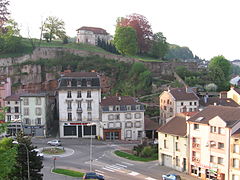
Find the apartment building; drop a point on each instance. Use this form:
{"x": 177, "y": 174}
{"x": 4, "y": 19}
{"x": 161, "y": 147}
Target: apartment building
{"x": 13, "y": 114}
{"x": 235, "y": 156}
{"x": 177, "y": 100}
{"x": 122, "y": 118}
{"x": 234, "y": 93}
{"x": 209, "y": 133}
{"x": 79, "y": 95}
{"x": 5, "y": 89}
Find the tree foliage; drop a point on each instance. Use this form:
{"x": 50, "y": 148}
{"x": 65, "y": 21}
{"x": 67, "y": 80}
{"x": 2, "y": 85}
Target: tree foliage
{"x": 125, "y": 40}
{"x": 35, "y": 162}
{"x": 53, "y": 27}
{"x": 159, "y": 46}
{"x": 4, "y": 13}
{"x": 108, "y": 46}
{"x": 7, "y": 158}
{"x": 177, "y": 52}
{"x": 142, "y": 27}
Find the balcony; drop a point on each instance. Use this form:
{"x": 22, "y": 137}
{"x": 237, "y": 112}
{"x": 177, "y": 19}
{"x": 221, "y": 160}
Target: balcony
{"x": 195, "y": 145}
{"x": 69, "y": 108}
{"x": 195, "y": 159}
{"x": 79, "y": 109}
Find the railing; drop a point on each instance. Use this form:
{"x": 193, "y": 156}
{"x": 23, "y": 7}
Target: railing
{"x": 195, "y": 159}
{"x": 196, "y": 145}
{"x": 79, "y": 109}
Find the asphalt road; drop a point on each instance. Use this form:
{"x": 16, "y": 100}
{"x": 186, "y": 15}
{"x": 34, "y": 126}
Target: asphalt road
{"x": 104, "y": 161}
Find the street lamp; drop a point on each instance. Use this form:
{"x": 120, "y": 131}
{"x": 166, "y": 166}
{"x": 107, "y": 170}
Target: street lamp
{"x": 15, "y": 142}
{"x": 91, "y": 124}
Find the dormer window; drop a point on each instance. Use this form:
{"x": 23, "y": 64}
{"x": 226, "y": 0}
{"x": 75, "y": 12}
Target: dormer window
{"x": 88, "y": 83}
{"x": 137, "y": 107}
{"x": 78, "y": 83}
{"x": 110, "y": 108}
{"x": 128, "y": 108}
{"x": 117, "y": 108}
{"x": 69, "y": 84}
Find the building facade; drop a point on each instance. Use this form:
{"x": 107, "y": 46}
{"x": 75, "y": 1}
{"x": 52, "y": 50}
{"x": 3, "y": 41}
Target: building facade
{"x": 209, "y": 134}
{"x": 79, "y": 95}
{"x": 35, "y": 114}
{"x": 177, "y": 100}
{"x": 13, "y": 114}
{"x": 234, "y": 93}
{"x": 235, "y": 156}
{"x": 122, "y": 118}
{"x": 90, "y": 35}
{"x": 5, "y": 89}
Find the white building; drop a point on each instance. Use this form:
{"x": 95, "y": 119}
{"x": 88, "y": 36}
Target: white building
{"x": 122, "y": 118}
{"x": 90, "y": 35}
{"x": 79, "y": 95}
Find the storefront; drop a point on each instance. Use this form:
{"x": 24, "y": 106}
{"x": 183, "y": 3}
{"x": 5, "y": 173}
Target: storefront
{"x": 112, "y": 134}
{"x": 13, "y": 128}
{"x": 79, "y": 130}
{"x": 34, "y": 130}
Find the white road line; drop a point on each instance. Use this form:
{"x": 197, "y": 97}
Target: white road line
{"x": 127, "y": 163}
{"x": 121, "y": 165}
{"x": 99, "y": 171}
{"x": 108, "y": 169}
{"x": 133, "y": 173}
{"x": 149, "y": 178}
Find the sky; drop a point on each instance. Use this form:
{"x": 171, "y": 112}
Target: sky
{"x": 208, "y": 27}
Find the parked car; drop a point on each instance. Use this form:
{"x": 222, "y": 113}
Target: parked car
{"x": 93, "y": 176}
{"x": 39, "y": 154}
{"x": 54, "y": 142}
{"x": 171, "y": 177}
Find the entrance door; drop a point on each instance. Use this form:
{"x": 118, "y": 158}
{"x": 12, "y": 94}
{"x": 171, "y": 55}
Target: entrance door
{"x": 184, "y": 164}
{"x": 79, "y": 131}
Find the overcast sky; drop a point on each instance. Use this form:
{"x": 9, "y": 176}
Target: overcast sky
{"x": 208, "y": 27}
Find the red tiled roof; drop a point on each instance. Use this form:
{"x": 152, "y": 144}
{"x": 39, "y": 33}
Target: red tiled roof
{"x": 176, "y": 126}
{"x": 15, "y": 97}
{"x": 182, "y": 94}
{"x": 118, "y": 100}
{"x": 80, "y": 74}
{"x": 230, "y": 115}
{"x": 218, "y": 101}
{"x": 237, "y": 90}
{"x": 149, "y": 124}
{"x": 188, "y": 113}
{"x": 95, "y": 30}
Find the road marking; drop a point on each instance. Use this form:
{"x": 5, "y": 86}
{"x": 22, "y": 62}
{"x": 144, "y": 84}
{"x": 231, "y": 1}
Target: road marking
{"x": 133, "y": 173}
{"x": 107, "y": 169}
{"x": 99, "y": 172}
{"x": 149, "y": 178}
{"x": 121, "y": 165}
{"x": 127, "y": 163}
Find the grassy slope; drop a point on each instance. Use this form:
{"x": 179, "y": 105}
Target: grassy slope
{"x": 68, "y": 172}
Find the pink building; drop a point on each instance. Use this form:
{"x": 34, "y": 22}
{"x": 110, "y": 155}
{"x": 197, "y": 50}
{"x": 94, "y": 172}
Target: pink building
{"x": 209, "y": 134}
{"x": 5, "y": 89}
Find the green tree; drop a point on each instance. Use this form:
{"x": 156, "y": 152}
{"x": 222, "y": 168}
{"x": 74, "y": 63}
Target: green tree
{"x": 220, "y": 69}
{"x": 125, "y": 40}
{"x": 177, "y": 52}
{"x": 159, "y": 46}
{"x": 8, "y": 158}
{"x": 35, "y": 162}
{"x": 4, "y": 13}
{"x": 54, "y": 27}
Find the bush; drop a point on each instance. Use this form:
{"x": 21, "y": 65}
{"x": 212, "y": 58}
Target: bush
{"x": 146, "y": 152}
{"x": 138, "y": 149}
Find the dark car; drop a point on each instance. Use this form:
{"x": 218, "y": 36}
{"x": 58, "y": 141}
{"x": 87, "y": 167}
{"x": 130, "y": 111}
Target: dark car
{"x": 93, "y": 176}
{"x": 171, "y": 177}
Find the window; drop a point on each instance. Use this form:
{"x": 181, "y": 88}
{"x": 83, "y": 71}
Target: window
{"x": 38, "y": 101}
{"x": 212, "y": 159}
{"x": 9, "y": 118}
{"x": 110, "y": 117}
{"x": 16, "y": 109}
{"x": 235, "y": 177}
{"x": 79, "y": 104}
{"x": 27, "y": 121}
{"x": 139, "y": 134}
{"x": 128, "y": 133}
{"x": 79, "y": 116}
{"x": 181, "y": 103}
{"x": 190, "y": 109}
{"x": 165, "y": 135}
{"x": 177, "y": 137}
{"x": 16, "y": 102}
{"x": 190, "y": 103}
{"x": 118, "y": 125}
{"x": 213, "y": 129}
{"x": 165, "y": 108}
{"x": 171, "y": 109}
{"x": 26, "y": 111}
{"x": 168, "y": 101}
{"x": 111, "y": 125}
{"x": 88, "y": 83}
{"x": 117, "y": 108}
{"x": 69, "y": 105}
{"x": 68, "y": 83}
{"x": 128, "y": 124}
{"x": 69, "y": 116}
{"x": 8, "y": 102}
{"x": 16, "y": 116}
{"x": 195, "y": 103}
{"x": 38, "y": 121}
{"x": 220, "y": 145}
{"x": 89, "y": 105}
{"x": 78, "y": 83}
{"x": 196, "y": 126}
{"x": 25, "y": 101}
{"x": 165, "y": 144}
{"x": 128, "y": 108}
{"x": 177, "y": 161}
{"x": 236, "y": 148}
{"x": 137, "y": 124}
{"x": 137, "y": 115}
{"x": 221, "y": 130}
{"x": 128, "y": 116}
{"x": 88, "y": 94}
{"x": 79, "y": 94}
{"x": 89, "y": 117}
{"x": 117, "y": 116}
{"x": 138, "y": 107}
{"x": 110, "y": 108}
{"x": 69, "y": 94}
{"x": 8, "y": 109}
{"x": 220, "y": 160}
{"x": 176, "y": 145}
{"x": 235, "y": 163}
{"x": 38, "y": 111}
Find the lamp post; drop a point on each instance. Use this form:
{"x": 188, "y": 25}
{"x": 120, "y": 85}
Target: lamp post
{"x": 91, "y": 124}
{"x": 15, "y": 142}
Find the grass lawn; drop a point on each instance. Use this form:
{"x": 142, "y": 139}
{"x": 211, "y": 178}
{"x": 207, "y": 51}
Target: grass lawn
{"x": 133, "y": 157}
{"x": 68, "y": 172}
{"x": 53, "y": 151}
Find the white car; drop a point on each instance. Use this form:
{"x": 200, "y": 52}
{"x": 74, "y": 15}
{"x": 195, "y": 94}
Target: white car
{"x": 39, "y": 154}
{"x": 54, "y": 142}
